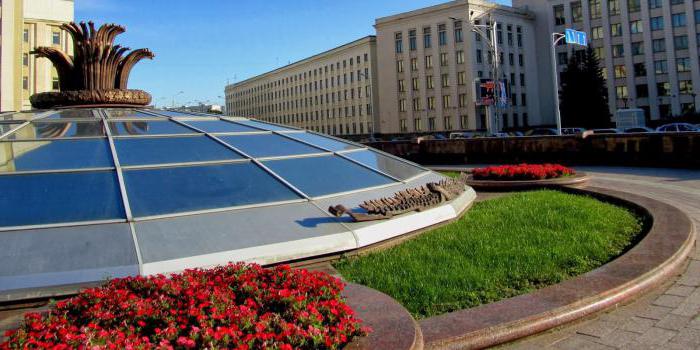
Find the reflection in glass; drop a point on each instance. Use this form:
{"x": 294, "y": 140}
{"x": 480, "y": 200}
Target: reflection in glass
{"x": 148, "y": 128}
{"x": 55, "y": 130}
{"x": 264, "y": 126}
{"x": 385, "y": 164}
{"x": 20, "y": 116}
{"x": 318, "y": 176}
{"x": 268, "y": 145}
{"x": 159, "y": 150}
{"x": 53, "y": 155}
{"x": 175, "y": 113}
{"x": 181, "y": 189}
{"x": 325, "y": 142}
{"x": 56, "y": 198}
{"x": 218, "y": 126}
{"x": 128, "y": 113}
{"x": 73, "y": 114}
{"x": 6, "y": 127}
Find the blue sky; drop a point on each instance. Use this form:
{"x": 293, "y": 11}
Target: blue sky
{"x": 198, "y": 43}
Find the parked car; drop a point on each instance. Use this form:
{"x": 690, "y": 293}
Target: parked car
{"x": 606, "y": 131}
{"x": 639, "y": 129}
{"x": 516, "y": 133}
{"x": 677, "y": 127}
{"x": 541, "y": 132}
{"x": 572, "y": 131}
{"x": 440, "y": 137}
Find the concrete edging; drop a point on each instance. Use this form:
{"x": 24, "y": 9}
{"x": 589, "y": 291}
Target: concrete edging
{"x": 579, "y": 180}
{"x": 658, "y": 256}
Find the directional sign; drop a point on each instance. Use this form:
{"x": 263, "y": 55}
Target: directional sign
{"x": 570, "y": 36}
{"x": 581, "y": 38}
{"x": 576, "y": 37}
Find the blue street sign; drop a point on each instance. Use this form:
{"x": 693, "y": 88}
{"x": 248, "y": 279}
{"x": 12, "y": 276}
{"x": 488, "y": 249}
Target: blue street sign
{"x": 581, "y": 38}
{"x": 570, "y": 36}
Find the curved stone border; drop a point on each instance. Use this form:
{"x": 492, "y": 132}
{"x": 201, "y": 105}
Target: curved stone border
{"x": 579, "y": 180}
{"x": 658, "y": 256}
{"x": 392, "y": 325}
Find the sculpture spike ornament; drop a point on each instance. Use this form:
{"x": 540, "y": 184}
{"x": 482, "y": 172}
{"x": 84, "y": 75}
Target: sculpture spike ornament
{"x": 98, "y": 72}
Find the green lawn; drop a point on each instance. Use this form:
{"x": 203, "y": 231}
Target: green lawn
{"x": 500, "y": 248}
{"x": 454, "y": 174}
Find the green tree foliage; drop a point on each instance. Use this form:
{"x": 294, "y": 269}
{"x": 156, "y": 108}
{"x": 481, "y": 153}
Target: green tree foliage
{"x": 584, "y": 95}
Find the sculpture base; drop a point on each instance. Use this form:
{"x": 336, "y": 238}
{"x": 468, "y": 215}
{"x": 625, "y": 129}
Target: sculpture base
{"x": 55, "y": 99}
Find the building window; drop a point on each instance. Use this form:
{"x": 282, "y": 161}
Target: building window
{"x": 445, "y": 101}
{"x": 445, "y": 80}
{"x": 431, "y": 124}
{"x": 658, "y": 45}
{"x": 25, "y": 59}
{"x": 642, "y": 91}
{"x": 663, "y": 89}
{"x": 511, "y": 59}
{"x": 443, "y": 59}
{"x": 638, "y": 48}
{"x": 510, "y": 38}
{"x": 25, "y": 83}
{"x": 634, "y": 5}
{"x": 621, "y": 92}
{"x": 521, "y": 60}
{"x": 25, "y": 35}
{"x": 680, "y": 42}
{"x": 414, "y": 84}
{"x": 429, "y": 61}
{"x": 616, "y": 29}
{"x": 461, "y": 78}
{"x": 447, "y": 120}
{"x": 416, "y": 104}
{"x": 640, "y": 69}
{"x": 398, "y": 42}
{"x": 412, "y": 40}
{"x": 678, "y": 20}
{"x": 522, "y": 79}
{"x": 576, "y": 11}
{"x": 399, "y": 66}
{"x": 520, "y": 39}
{"x": 683, "y": 64}
{"x": 656, "y": 23}
{"x": 595, "y": 8}
{"x": 414, "y": 64}
{"x": 429, "y": 82}
{"x": 636, "y": 27}
{"x": 618, "y": 50}
{"x": 458, "y": 32}
{"x": 464, "y": 122}
{"x": 614, "y": 7}
{"x": 431, "y": 102}
{"x": 479, "y": 58}
{"x": 54, "y": 84}
{"x": 442, "y": 34}
{"x": 660, "y": 67}
{"x": 402, "y": 105}
{"x": 459, "y": 57}
{"x": 676, "y": 2}
{"x": 697, "y": 16}
{"x": 685, "y": 87}
{"x": 523, "y": 101}
{"x": 597, "y": 33}
{"x": 655, "y": 4}
{"x": 401, "y": 86}
{"x": 620, "y": 71}
{"x": 427, "y": 37}
{"x": 402, "y": 125}
{"x": 417, "y": 125}
{"x": 559, "y": 17}
{"x": 462, "y": 102}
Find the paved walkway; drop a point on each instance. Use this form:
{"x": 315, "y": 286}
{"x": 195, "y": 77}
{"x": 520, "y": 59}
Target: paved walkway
{"x": 669, "y": 317}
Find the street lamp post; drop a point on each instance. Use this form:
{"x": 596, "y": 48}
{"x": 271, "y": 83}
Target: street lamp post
{"x": 174, "y": 95}
{"x": 481, "y": 29}
{"x": 556, "y": 38}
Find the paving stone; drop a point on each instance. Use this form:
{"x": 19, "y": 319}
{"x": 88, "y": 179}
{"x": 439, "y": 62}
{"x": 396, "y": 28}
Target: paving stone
{"x": 691, "y": 277}
{"x": 655, "y": 312}
{"x": 618, "y": 338}
{"x": 688, "y": 337}
{"x": 598, "y": 328}
{"x": 673, "y": 322}
{"x": 656, "y": 336}
{"x": 695, "y": 323}
{"x": 638, "y": 325}
{"x": 680, "y": 290}
{"x": 687, "y": 309}
{"x": 668, "y": 300}
{"x": 581, "y": 342}
{"x": 694, "y": 297}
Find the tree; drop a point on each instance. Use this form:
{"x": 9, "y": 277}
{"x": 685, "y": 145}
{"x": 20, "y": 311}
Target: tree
{"x": 584, "y": 95}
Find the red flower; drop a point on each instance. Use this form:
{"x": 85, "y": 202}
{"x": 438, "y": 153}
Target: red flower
{"x": 521, "y": 172}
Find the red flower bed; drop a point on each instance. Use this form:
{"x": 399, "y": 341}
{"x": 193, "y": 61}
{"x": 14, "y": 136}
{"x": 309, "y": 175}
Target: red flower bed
{"x": 522, "y": 172}
{"x": 238, "y": 306}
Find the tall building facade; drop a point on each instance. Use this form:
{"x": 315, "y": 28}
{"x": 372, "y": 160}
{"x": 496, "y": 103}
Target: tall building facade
{"x": 429, "y": 59}
{"x": 27, "y": 24}
{"x": 334, "y": 92}
{"x": 648, "y": 48}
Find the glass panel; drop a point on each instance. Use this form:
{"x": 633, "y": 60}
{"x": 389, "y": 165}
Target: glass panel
{"x": 56, "y": 130}
{"x": 54, "y": 198}
{"x": 6, "y": 127}
{"x": 18, "y": 116}
{"x": 219, "y": 126}
{"x": 325, "y": 142}
{"x": 268, "y": 145}
{"x": 385, "y": 164}
{"x": 264, "y": 126}
{"x": 317, "y": 176}
{"x": 148, "y": 128}
{"x": 147, "y": 150}
{"x": 180, "y": 189}
{"x": 129, "y": 113}
{"x": 174, "y": 113}
{"x": 73, "y": 114}
{"x": 51, "y": 155}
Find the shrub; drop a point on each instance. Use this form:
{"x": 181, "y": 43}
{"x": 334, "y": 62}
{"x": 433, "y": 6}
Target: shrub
{"x": 522, "y": 172}
{"x": 242, "y": 306}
